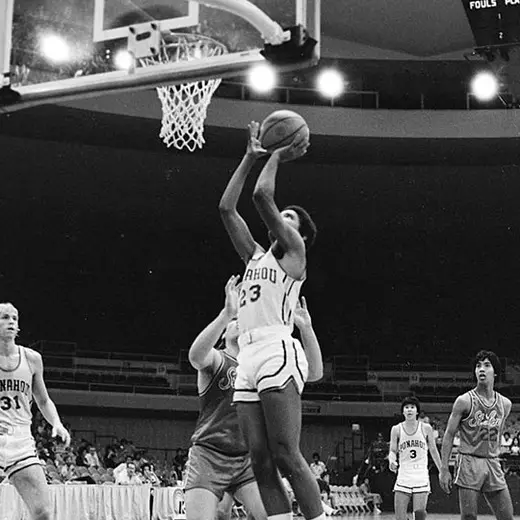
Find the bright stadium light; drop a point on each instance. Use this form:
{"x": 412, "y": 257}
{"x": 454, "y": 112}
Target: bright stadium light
{"x": 484, "y": 86}
{"x": 123, "y": 60}
{"x": 55, "y": 48}
{"x": 330, "y": 83}
{"x": 262, "y": 78}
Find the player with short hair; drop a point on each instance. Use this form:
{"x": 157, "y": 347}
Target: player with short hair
{"x": 480, "y": 417}
{"x": 410, "y": 441}
{"x": 219, "y": 462}
{"x": 21, "y": 380}
{"x": 272, "y": 367}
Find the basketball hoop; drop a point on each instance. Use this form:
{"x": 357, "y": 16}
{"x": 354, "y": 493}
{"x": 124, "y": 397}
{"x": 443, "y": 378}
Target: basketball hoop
{"x": 185, "y": 106}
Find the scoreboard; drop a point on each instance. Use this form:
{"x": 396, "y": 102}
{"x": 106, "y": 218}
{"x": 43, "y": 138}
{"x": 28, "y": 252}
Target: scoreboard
{"x": 494, "y": 22}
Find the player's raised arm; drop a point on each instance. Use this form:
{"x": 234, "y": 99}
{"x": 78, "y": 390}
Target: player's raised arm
{"x": 461, "y": 408}
{"x": 235, "y": 225}
{"x": 202, "y": 354}
{"x": 263, "y": 196}
{"x": 42, "y": 399}
{"x": 310, "y": 343}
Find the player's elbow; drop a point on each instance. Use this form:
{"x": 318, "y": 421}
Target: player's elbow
{"x": 315, "y": 374}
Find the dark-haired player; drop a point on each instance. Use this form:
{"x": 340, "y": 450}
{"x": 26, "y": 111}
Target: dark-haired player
{"x": 479, "y": 415}
{"x": 410, "y": 442}
{"x": 219, "y": 466}
{"x": 272, "y": 366}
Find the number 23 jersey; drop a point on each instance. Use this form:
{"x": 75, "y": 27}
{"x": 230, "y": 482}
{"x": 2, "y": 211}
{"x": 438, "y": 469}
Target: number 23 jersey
{"x": 267, "y": 295}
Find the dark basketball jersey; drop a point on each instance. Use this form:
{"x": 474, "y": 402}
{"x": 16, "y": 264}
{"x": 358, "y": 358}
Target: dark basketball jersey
{"x": 217, "y": 425}
{"x": 480, "y": 432}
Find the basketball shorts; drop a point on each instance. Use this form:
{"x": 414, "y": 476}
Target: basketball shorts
{"x": 412, "y": 482}
{"x": 17, "y": 448}
{"x": 479, "y": 473}
{"x": 216, "y": 472}
{"x": 268, "y": 360}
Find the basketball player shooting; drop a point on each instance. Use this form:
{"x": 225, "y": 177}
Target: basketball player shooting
{"x": 272, "y": 366}
{"x": 480, "y": 416}
{"x": 21, "y": 379}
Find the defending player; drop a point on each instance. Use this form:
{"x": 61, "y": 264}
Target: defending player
{"x": 21, "y": 379}
{"x": 410, "y": 441}
{"x": 480, "y": 416}
{"x": 218, "y": 460}
{"x": 272, "y": 367}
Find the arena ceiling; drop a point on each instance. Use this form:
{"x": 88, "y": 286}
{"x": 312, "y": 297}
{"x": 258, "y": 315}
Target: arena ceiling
{"x": 419, "y": 28}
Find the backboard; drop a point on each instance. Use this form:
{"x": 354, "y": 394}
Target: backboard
{"x": 54, "y": 50}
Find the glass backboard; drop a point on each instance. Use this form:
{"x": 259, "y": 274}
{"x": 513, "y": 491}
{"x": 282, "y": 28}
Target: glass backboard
{"x": 63, "y": 49}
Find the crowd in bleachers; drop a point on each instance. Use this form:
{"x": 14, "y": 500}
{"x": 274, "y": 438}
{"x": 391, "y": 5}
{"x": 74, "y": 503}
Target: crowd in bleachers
{"x": 119, "y": 462}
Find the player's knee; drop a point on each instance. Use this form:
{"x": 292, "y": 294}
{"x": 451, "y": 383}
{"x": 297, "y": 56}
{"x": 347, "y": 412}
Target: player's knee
{"x": 288, "y": 459}
{"x": 263, "y": 465}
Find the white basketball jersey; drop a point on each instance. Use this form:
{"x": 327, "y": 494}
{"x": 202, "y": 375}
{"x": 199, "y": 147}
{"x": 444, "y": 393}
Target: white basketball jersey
{"x": 16, "y": 393}
{"x": 268, "y": 295}
{"x": 413, "y": 456}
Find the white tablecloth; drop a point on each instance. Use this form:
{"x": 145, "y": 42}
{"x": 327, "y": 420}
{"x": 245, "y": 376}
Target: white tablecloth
{"x": 168, "y": 504}
{"x": 84, "y": 502}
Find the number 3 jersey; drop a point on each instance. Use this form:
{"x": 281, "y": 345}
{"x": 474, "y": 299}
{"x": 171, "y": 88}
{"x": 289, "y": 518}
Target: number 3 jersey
{"x": 268, "y": 295}
{"x": 16, "y": 392}
{"x": 413, "y": 457}
{"x": 480, "y": 432}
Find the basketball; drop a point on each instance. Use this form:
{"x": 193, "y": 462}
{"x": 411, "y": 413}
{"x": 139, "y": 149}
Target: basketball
{"x": 281, "y": 128}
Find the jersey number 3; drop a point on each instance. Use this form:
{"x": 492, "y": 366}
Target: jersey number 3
{"x": 253, "y": 293}
{"x": 7, "y": 403}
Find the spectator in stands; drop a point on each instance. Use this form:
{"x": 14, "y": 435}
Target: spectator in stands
{"x": 180, "y": 459}
{"x": 149, "y": 476}
{"x": 317, "y": 466}
{"x": 506, "y": 442}
{"x": 128, "y": 477}
{"x": 373, "y": 500}
{"x": 378, "y": 453}
{"x": 91, "y": 457}
{"x": 109, "y": 459}
{"x": 515, "y": 447}
{"x": 68, "y": 470}
{"x": 80, "y": 459}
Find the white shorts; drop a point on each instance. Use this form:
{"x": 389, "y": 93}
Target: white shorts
{"x": 269, "y": 359}
{"x": 411, "y": 484}
{"x": 17, "y": 448}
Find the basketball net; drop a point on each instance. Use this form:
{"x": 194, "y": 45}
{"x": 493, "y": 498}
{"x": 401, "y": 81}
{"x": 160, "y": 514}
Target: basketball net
{"x": 185, "y": 106}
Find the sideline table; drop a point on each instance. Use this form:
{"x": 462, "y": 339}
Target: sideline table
{"x": 84, "y": 502}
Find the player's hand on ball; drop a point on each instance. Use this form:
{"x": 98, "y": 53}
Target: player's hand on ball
{"x": 302, "y": 317}
{"x": 445, "y": 480}
{"x": 254, "y": 147}
{"x": 298, "y": 148}
{"x": 60, "y": 431}
{"x": 231, "y": 290}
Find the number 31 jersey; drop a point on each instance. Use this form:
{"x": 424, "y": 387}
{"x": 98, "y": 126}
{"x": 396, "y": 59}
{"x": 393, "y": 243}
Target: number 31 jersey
{"x": 480, "y": 432}
{"x": 267, "y": 295}
{"x": 16, "y": 392}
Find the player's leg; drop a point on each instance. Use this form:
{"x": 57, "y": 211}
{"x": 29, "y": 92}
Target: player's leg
{"x": 401, "y": 501}
{"x": 32, "y": 486}
{"x": 225, "y": 507}
{"x": 272, "y": 490}
{"x": 500, "y": 503}
{"x": 420, "y": 501}
{"x": 468, "y": 502}
{"x": 283, "y": 417}
{"x": 200, "y": 504}
{"x": 249, "y": 496}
